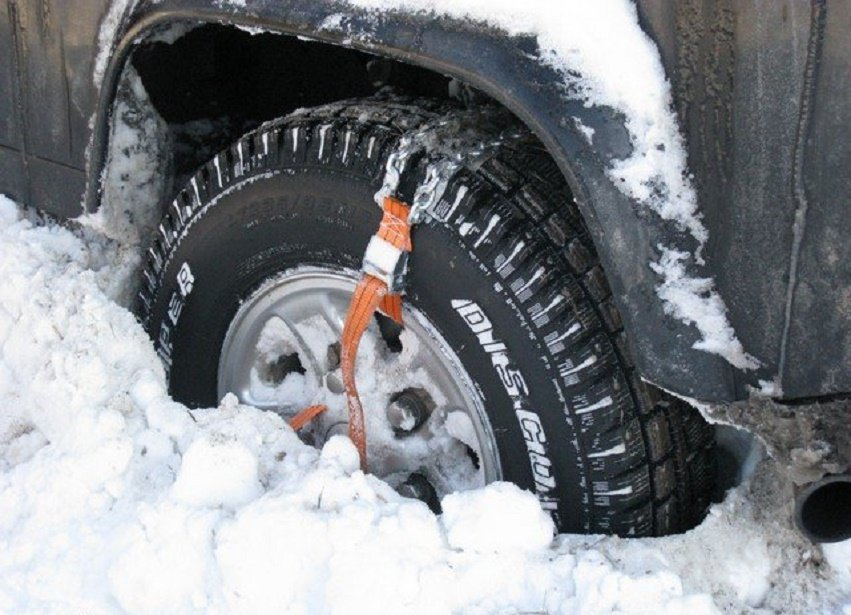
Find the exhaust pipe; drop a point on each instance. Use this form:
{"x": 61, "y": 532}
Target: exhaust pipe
{"x": 823, "y": 509}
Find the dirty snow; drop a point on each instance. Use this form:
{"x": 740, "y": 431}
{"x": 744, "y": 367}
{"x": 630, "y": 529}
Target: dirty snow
{"x": 136, "y": 169}
{"x": 607, "y": 60}
{"x": 114, "y": 498}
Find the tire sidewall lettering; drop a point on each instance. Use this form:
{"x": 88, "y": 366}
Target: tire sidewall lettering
{"x": 185, "y": 281}
{"x": 516, "y": 388}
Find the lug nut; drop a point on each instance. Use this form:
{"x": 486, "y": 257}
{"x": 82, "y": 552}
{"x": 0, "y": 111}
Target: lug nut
{"x": 332, "y": 355}
{"x": 408, "y": 410}
{"x": 417, "y": 487}
{"x": 334, "y": 384}
{"x": 340, "y": 428}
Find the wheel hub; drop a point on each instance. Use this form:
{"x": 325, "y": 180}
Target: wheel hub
{"x": 425, "y": 421}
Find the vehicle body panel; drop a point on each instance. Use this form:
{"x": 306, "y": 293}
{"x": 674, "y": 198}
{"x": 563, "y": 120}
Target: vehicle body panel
{"x": 762, "y": 91}
{"x": 47, "y": 49}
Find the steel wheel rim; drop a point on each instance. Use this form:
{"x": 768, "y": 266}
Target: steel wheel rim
{"x": 293, "y": 306}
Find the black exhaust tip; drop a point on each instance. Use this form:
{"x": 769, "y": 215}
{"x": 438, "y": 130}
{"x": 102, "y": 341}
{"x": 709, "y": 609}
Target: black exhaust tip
{"x": 823, "y": 509}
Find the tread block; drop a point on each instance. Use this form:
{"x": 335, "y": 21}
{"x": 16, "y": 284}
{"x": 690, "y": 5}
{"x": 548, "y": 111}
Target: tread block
{"x": 658, "y": 437}
{"x": 500, "y": 174}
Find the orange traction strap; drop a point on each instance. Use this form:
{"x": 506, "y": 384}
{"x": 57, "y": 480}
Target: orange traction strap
{"x": 305, "y": 416}
{"x": 372, "y": 293}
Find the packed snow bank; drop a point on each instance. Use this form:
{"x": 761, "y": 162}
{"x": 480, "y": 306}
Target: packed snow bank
{"x": 606, "y": 60}
{"x": 114, "y": 498}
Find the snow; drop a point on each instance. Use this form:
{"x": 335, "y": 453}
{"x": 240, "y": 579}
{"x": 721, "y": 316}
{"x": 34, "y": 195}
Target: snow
{"x": 586, "y": 131}
{"x": 217, "y": 472}
{"x": 107, "y": 33}
{"x": 135, "y": 175}
{"x": 694, "y": 301}
{"x": 496, "y": 520}
{"x": 114, "y": 498}
{"x": 838, "y": 555}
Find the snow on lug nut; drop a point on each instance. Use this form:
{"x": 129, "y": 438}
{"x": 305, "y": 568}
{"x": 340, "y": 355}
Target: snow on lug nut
{"x": 408, "y": 410}
{"x": 332, "y": 355}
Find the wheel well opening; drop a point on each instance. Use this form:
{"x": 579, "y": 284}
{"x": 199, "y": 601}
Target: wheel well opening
{"x": 211, "y": 83}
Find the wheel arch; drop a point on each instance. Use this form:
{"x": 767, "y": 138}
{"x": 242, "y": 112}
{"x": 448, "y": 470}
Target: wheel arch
{"x": 505, "y": 69}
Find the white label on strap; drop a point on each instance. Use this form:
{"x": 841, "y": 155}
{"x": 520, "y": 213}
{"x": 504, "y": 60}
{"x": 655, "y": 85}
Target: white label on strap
{"x": 381, "y": 260}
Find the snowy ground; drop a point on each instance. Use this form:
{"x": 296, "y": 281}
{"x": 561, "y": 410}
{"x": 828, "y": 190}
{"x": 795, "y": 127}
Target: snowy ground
{"x": 115, "y": 498}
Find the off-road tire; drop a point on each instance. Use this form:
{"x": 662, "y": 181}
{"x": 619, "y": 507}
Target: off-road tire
{"x": 604, "y": 452}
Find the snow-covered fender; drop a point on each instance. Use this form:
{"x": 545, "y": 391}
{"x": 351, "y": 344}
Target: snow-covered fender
{"x": 507, "y": 68}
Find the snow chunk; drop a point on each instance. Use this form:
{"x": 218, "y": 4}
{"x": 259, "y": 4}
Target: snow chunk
{"x": 339, "y": 452}
{"x": 586, "y": 131}
{"x": 603, "y": 589}
{"x": 217, "y": 472}
{"x": 838, "y": 555}
{"x": 498, "y": 518}
{"x": 694, "y": 301}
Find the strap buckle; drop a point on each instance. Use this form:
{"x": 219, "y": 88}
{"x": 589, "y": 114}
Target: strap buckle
{"x": 386, "y": 256}
{"x": 386, "y": 262}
